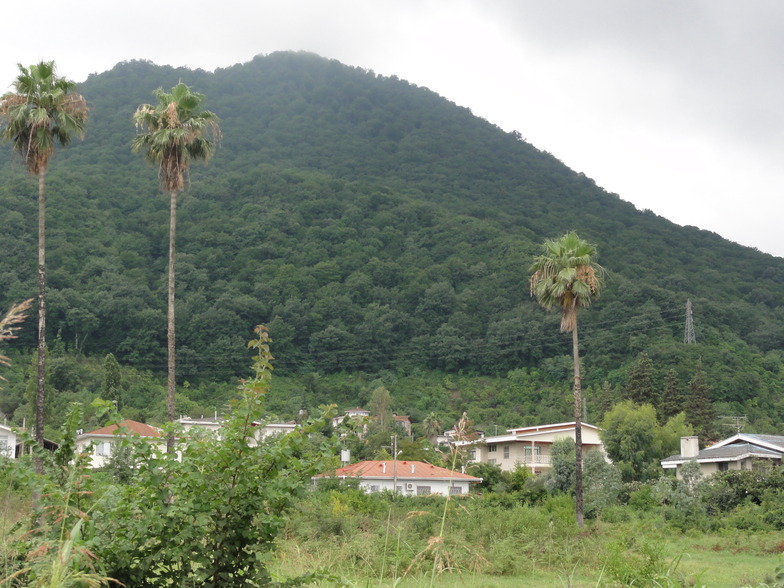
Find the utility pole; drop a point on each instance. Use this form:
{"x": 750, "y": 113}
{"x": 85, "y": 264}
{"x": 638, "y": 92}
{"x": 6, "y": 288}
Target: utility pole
{"x": 394, "y": 464}
{"x": 688, "y": 336}
{"x": 393, "y": 447}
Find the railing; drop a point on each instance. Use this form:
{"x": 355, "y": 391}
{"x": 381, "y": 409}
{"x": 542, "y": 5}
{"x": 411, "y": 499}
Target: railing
{"x": 536, "y": 460}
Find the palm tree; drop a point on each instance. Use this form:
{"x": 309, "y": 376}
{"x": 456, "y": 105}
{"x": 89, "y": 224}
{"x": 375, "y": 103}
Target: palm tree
{"x": 42, "y": 110}
{"x": 431, "y": 428}
{"x": 172, "y": 133}
{"x": 567, "y": 276}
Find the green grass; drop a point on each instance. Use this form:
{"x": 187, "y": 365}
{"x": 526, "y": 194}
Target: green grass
{"x": 722, "y": 559}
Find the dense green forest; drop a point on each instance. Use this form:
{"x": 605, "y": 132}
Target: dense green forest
{"x": 385, "y": 235}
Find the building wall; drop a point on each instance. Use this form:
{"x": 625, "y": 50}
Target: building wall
{"x": 413, "y": 487}
{"x": 7, "y": 442}
{"x": 532, "y": 451}
{"x": 101, "y": 449}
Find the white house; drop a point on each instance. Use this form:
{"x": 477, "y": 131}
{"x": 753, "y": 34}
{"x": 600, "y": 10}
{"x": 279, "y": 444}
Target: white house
{"x": 100, "y": 442}
{"x": 413, "y": 478}
{"x": 264, "y": 430}
{"x": 210, "y": 425}
{"x": 7, "y": 442}
{"x": 360, "y": 414}
{"x": 528, "y": 446}
{"x": 734, "y": 453}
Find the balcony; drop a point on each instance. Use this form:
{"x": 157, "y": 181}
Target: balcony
{"x": 535, "y": 460}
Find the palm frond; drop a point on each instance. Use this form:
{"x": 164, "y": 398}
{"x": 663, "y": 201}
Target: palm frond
{"x": 566, "y": 275}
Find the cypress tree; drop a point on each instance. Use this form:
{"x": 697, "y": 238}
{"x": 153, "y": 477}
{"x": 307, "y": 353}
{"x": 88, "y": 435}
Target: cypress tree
{"x": 672, "y": 398}
{"x": 699, "y": 408}
{"x": 639, "y": 385}
{"x": 111, "y": 389}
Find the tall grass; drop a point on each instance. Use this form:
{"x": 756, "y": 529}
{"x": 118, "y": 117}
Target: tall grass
{"x": 484, "y": 544}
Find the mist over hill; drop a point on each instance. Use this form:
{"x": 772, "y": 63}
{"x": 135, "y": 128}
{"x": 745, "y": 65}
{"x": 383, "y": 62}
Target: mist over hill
{"x": 373, "y": 225}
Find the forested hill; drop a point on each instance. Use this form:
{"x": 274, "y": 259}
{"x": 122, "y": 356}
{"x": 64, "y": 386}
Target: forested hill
{"x": 372, "y": 224}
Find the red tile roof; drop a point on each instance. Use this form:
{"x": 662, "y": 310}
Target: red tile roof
{"x": 134, "y": 427}
{"x": 405, "y": 470}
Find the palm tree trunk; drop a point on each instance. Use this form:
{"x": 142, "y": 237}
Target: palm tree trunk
{"x": 41, "y": 385}
{"x": 578, "y": 431}
{"x": 170, "y": 331}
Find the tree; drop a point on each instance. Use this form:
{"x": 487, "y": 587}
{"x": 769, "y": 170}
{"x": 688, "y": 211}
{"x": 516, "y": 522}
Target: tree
{"x": 639, "y": 384}
{"x": 111, "y": 388}
{"x": 672, "y": 399}
{"x": 603, "y": 483}
{"x": 42, "y": 110}
{"x": 431, "y": 428}
{"x": 566, "y": 275}
{"x": 561, "y": 477}
{"x": 629, "y": 434}
{"x": 172, "y": 133}
{"x": 635, "y": 442}
{"x": 381, "y": 409}
{"x": 699, "y": 408}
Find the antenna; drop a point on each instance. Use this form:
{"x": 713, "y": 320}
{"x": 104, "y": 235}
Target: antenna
{"x": 735, "y": 422}
{"x": 688, "y": 336}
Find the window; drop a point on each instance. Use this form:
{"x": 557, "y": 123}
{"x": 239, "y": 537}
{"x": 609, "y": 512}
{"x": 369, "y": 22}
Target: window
{"x": 455, "y": 490}
{"x": 491, "y": 461}
{"x": 472, "y": 454}
{"x": 531, "y": 454}
{"x": 492, "y": 448}
{"x": 103, "y": 449}
{"x": 423, "y": 490}
{"x": 506, "y": 452}
{"x": 375, "y": 488}
{"x": 723, "y": 466}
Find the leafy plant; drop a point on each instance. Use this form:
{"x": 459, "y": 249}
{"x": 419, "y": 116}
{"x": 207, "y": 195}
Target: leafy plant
{"x": 208, "y": 514}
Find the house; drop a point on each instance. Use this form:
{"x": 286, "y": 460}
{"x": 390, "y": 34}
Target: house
{"x": 404, "y": 422}
{"x": 451, "y": 436}
{"x": 7, "y": 442}
{"x": 265, "y": 430}
{"x": 211, "y": 425}
{"x": 412, "y": 478}
{"x": 214, "y": 425}
{"x": 99, "y": 443}
{"x": 352, "y": 413}
{"x": 528, "y": 446}
{"x": 734, "y": 453}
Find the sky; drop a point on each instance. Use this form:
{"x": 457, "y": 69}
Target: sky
{"x": 675, "y": 105}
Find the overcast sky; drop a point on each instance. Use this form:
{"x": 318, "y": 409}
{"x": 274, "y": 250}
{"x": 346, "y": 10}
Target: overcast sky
{"x": 675, "y": 105}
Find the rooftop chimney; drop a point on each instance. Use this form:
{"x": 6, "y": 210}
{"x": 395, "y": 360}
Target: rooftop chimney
{"x": 690, "y": 446}
{"x": 384, "y": 467}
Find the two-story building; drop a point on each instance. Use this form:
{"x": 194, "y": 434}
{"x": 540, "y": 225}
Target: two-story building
{"x": 528, "y": 446}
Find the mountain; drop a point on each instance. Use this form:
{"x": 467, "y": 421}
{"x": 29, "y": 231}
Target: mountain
{"x": 373, "y": 225}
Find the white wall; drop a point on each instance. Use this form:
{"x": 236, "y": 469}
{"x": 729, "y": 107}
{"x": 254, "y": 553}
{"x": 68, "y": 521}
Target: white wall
{"x": 7, "y": 442}
{"x": 410, "y": 487}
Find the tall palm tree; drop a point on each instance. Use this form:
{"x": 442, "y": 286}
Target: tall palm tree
{"x": 42, "y": 110}
{"x": 172, "y": 133}
{"x": 567, "y": 276}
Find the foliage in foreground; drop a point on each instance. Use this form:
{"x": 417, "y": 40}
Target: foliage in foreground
{"x": 388, "y": 540}
{"x": 207, "y": 519}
